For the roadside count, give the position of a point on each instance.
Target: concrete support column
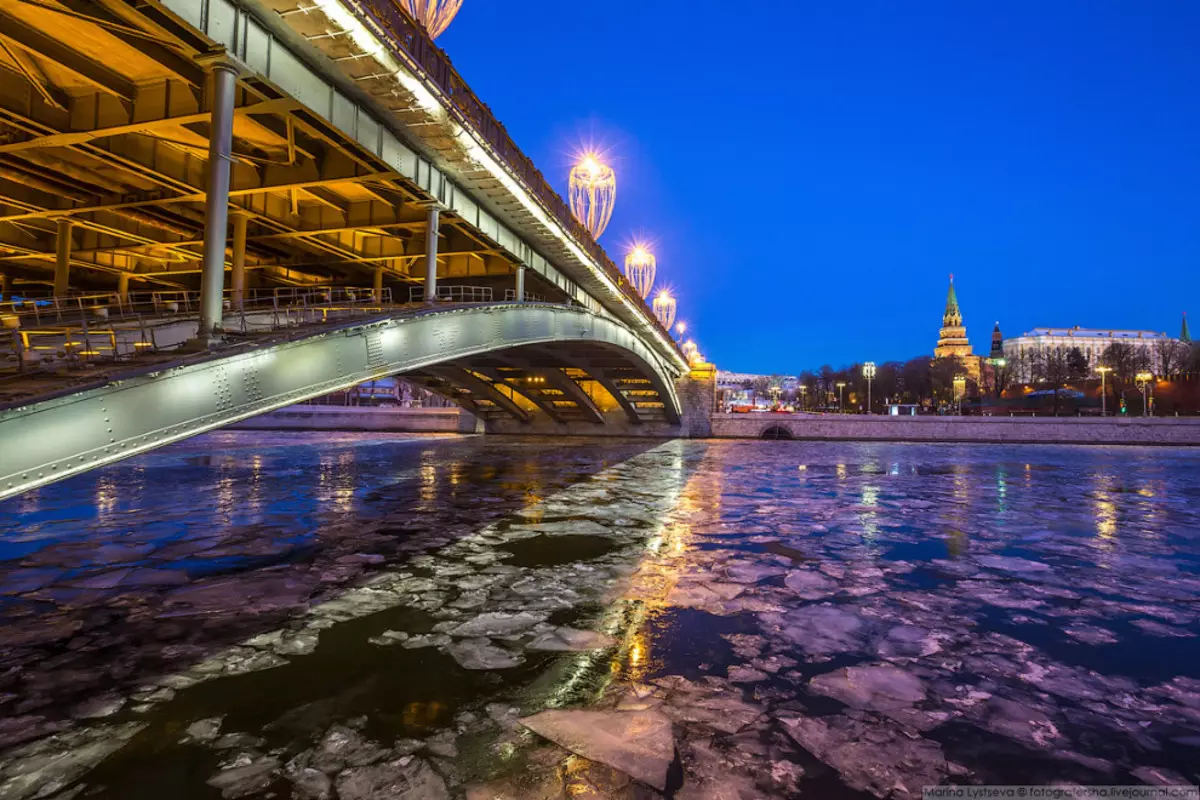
(237, 277)
(431, 252)
(225, 70)
(62, 258)
(123, 288)
(5, 287)
(377, 286)
(521, 283)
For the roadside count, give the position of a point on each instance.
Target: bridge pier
(62, 257)
(237, 275)
(377, 285)
(431, 255)
(520, 283)
(225, 70)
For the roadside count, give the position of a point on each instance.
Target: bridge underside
(525, 363)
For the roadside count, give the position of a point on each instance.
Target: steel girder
(50, 440)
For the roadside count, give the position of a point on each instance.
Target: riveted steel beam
(15, 32)
(480, 389)
(56, 438)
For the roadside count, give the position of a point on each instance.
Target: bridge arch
(53, 439)
(777, 431)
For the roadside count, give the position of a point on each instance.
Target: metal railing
(63, 331)
(430, 59)
(511, 295)
(453, 294)
(110, 306)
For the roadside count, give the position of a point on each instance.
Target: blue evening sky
(810, 172)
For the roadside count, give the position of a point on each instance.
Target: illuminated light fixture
(681, 328)
(664, 308)
(434, 15)
(640, 267)
(593, 191)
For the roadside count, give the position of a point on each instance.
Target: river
(358, 616)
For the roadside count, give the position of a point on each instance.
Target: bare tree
(1173, 355)
(916, 378)
(1052, 365)
(942, 372)
(1077, 364)
(760, 385)
(1126, 361)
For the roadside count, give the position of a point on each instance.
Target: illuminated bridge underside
(517, 360)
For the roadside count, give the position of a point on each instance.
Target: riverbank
(1168, 431)
(1171, 431)
(368, 419)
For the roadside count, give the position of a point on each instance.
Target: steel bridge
(213, 208)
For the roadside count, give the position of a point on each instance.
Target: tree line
(925, 378)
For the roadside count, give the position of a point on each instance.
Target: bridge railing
(511, 294)
(111, 306)
(453, 294)
(415, 43)
(72, 331)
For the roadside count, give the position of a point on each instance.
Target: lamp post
(803, 397)
(1143, 382)
(681, 329)
(1103, 394)
(960, 388)
(869, 374)
(840, 385)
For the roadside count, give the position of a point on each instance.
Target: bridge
(210, 209)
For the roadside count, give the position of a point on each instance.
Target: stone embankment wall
(364, 418)
(995, 430)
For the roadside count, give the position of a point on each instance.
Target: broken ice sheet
(639, 743)
(871, 755)
(41, 768)
(481, 654)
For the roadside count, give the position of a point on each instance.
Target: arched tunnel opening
(777, 432)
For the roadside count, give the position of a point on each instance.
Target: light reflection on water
(897, 526)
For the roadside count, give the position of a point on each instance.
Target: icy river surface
(366, 617)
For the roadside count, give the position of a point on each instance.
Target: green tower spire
(951, 298)
(952, 317)
(1185, 335)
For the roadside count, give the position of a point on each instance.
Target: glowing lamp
(640, 267)
(664, 308)
(593, 190)
(433, 15)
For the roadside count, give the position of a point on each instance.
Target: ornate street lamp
(593, 190)
(434, 15)
(869, 374)
(664, 308)
(840, 385)
(960, 389)
(640, 266)
(803, 397)
(1103, 394)
(1144, 381)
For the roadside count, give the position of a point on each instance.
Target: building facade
(952, 338)
(1021, 351)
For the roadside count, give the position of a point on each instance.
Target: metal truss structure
(504, 359)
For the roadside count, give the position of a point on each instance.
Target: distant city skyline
(859, 154)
